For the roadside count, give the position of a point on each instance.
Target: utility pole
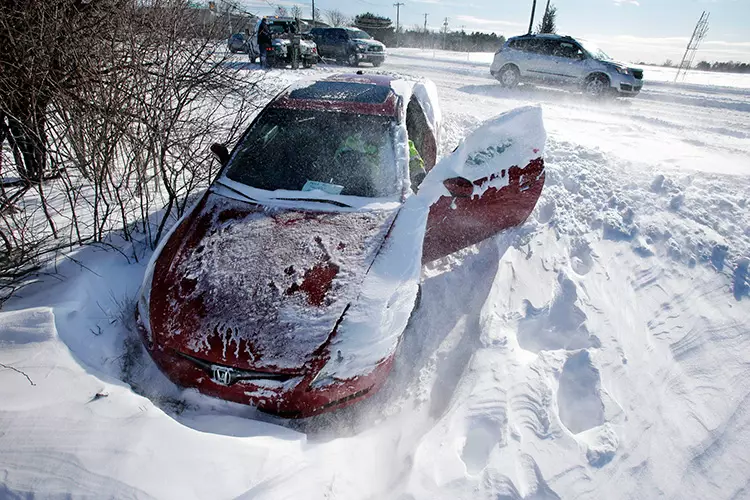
(424, 35)
(445, 31)
(461, 41)
(313, 13)
(398, 11)
(531, 22)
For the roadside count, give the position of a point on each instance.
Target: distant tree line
(724, 67)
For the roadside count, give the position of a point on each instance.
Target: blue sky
(650, 30)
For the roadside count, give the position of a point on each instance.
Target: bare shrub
(336, 18)
(107, 112)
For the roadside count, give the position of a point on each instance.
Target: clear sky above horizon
(634, 30)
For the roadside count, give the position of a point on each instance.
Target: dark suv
(348, 45)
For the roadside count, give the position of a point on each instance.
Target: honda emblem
(221, 375)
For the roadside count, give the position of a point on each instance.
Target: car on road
(283, 37)
(290, 283)
(564, 61)
(350, 46)
(237, 43)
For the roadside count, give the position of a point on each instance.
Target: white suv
(563, 60)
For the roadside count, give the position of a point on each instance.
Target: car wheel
(596, 86)
(509, 76)
(352, 60)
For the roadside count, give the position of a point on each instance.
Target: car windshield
(281, 27)
(593, 50)
(359, 34)
(337, 153)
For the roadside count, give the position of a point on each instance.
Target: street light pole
(398, 12)
(445, 31)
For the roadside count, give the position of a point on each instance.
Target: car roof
(549, 36)
(348, 93)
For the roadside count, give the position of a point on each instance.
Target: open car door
(490, 183)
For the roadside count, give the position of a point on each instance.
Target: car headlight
(361, 47)
(622, 71)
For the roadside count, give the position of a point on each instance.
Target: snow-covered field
(602, 350)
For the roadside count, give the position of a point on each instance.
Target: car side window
(420, 133)
(535, 46)
(549, 47)
(568, 50)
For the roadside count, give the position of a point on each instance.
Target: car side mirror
(459, 187)
(221, 153)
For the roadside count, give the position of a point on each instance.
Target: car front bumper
(627, 85)
(371, 57)
(294, 395)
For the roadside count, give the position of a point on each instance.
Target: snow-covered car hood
(368, 42)
(261, 288)
(616, 64)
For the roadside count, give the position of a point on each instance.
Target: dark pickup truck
(348, 46)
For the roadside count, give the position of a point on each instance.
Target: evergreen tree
(379, 27)
(548, 21)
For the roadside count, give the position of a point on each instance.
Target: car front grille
(227, 375)
(626, 87)
(375, 48)
(638, 73)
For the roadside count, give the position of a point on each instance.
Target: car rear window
(343, 91)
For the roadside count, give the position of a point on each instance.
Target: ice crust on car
(270, 284)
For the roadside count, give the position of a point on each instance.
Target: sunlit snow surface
(602, 350)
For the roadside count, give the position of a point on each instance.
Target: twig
(18, 371)
(83, 266)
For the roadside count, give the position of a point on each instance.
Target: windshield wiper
(332, 202)
(237, 191)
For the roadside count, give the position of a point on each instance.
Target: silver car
(564, 61)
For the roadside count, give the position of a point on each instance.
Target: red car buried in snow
(290, 283)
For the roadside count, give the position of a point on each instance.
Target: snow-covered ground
(602, 350)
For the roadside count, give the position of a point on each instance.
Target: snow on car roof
(364, 94)
(369, 93)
